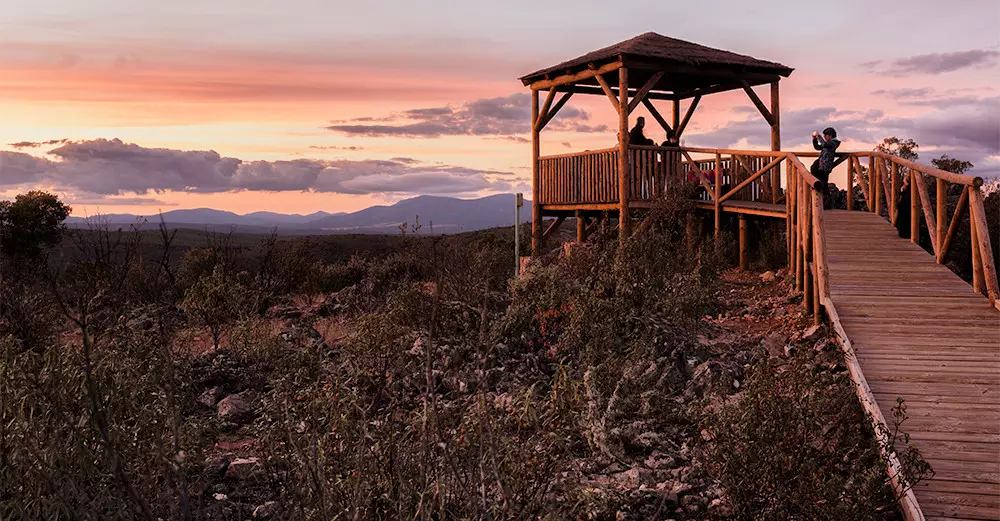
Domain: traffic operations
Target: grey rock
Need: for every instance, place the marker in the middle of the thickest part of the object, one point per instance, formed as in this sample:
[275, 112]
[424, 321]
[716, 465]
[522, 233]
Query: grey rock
[236, 408]
[768, 276]
[242, 469]
[211, 397]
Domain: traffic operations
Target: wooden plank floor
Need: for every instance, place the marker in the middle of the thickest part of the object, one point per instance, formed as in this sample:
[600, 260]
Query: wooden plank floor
[920, 333]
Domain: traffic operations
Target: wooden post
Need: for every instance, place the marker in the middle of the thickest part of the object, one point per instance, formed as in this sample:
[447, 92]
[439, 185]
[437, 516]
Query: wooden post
[581, 227]
[789, 216]
[744, 242]
[775, 142]
[977, 259]
[876, 167]
[676, 119]
[808, 279]
[985, 248]
[800, 228]
[718, 193]
[942, 217]
[914, 209]
[624, 219]
[850, 184]
[536, 204]
[894, 204]
[871, 183]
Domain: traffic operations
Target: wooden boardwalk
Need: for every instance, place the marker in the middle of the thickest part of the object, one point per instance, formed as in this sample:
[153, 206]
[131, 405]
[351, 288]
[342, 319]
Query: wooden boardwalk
[920, 333]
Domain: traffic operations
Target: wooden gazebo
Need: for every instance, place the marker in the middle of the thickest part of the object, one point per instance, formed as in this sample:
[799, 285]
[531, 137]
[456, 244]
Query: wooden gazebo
[618, 180]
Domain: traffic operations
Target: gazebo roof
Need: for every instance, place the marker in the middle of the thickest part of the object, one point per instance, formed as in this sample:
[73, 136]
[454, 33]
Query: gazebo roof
[688, 66]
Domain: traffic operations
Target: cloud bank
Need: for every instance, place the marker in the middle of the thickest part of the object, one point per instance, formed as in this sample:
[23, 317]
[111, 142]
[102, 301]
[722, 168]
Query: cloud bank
[500, 116]
[104, 167]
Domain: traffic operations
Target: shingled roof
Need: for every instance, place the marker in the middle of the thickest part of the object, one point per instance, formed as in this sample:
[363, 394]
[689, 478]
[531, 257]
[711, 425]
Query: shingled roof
[659, 52]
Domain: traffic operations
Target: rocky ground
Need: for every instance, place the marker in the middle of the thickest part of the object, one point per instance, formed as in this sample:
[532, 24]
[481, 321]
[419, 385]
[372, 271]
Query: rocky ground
[656, 474]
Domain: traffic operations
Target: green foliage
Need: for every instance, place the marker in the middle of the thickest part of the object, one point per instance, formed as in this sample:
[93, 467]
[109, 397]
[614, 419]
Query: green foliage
[902, 148]
[796, 445]
[951, 164]
[31, 223]
[215, 300]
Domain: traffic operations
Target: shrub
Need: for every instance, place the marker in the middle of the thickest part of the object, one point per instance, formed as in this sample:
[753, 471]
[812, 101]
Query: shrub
[215, 300]
[796, 444]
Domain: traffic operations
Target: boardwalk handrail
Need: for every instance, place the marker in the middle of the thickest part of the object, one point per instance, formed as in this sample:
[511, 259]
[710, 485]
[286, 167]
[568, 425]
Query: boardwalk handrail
[805, 225]
[882, 188]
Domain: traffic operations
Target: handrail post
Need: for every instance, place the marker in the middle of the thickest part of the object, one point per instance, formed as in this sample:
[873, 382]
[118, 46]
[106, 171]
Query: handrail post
[914, 209]
[624, 218]
[850, 183]
[872, 193]
[977, 259]
[807, 278]
[894, 204]
[941, 193]
[718, 193]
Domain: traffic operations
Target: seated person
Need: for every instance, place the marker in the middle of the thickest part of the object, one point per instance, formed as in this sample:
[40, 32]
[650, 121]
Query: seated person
[636, 137]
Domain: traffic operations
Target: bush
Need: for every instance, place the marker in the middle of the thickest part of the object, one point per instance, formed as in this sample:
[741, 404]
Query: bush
[796, 444]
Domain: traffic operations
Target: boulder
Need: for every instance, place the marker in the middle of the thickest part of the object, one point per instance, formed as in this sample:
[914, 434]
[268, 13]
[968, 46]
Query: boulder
[211, 397]
[242, 469]
[768, 276]
[236, 408]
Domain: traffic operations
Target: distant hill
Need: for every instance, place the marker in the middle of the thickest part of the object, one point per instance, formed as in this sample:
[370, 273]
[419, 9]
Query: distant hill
[436, 215]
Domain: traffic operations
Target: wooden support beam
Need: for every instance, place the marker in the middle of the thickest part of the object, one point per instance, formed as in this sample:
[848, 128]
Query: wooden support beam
[985, 248]
[914, 209]
[611, 95]
[925, 204]
[641, 95]
[694, 166]
[553, 227]
[850, 183]
[750, 179]
[744, 243]
[573, 78]
[592, 227]
[545, 106]
[876, 187]
[581, 227]
[687, 116]
[776, 139]
[977, 258]
[676, 116]
[941, 196]
[536, 204]
[659, 118]
[716, 193]
[872, 185]
[596, 90]
[756, 101]
[624, 218]
[547, 116]
[963, 201]
[894, 204]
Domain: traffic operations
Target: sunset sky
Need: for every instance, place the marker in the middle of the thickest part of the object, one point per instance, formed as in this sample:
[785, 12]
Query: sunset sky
[297, 106]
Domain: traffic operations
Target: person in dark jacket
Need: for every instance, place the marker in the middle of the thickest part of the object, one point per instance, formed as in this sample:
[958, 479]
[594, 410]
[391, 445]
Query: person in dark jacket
[827, 145]
[636, 137]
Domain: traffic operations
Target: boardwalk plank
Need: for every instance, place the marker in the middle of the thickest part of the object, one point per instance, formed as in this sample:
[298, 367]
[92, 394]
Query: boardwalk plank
[922, 334]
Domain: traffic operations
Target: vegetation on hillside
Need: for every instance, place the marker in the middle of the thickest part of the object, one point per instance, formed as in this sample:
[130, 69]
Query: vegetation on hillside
[260, 381]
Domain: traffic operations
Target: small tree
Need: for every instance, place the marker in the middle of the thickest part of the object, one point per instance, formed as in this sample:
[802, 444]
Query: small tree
[951, 164]
[214, 300]
[31, 223]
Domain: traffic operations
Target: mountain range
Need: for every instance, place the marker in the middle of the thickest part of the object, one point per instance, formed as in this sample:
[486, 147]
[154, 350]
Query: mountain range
[435, 215]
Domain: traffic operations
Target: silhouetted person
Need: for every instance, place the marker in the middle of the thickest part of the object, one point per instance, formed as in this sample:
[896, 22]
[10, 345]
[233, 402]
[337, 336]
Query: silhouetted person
[636, 137]
[827, 145]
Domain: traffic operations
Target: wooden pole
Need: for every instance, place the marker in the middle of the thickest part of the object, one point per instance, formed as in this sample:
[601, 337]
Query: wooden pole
[876, 167]
[914, 209]
[985, 248]
[789, 217]
[624, 219]
[718, 190]
[808, 279]
[775, 141]
[953, 227]
[872, 187]
[676, 119]
[536, 204]
[850, 184]
[894, 204]
[977, 259]
[800, 228]
[581, 227]
[941, 191]
[744, 242]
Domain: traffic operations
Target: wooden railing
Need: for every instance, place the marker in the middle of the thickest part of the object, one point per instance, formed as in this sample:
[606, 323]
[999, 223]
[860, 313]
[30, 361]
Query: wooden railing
[938, 199]
[579, 178]
[592, 176]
